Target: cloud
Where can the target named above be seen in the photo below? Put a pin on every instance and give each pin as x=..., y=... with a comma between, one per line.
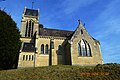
x=73, y=5
x=108, y=31
x=110, y=52
x=109, y=19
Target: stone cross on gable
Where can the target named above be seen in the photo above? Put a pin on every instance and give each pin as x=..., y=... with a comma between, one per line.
x=79, y=21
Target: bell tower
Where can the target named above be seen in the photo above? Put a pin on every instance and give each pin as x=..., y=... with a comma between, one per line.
x=29, y=23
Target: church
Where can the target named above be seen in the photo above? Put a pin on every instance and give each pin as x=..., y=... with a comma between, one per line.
x=45, y=47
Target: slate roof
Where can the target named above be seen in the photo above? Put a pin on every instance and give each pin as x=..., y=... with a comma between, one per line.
x=31, y=12
x=28, y=47
x=54, y=32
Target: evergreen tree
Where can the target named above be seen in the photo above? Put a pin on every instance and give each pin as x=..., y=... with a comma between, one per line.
x=9, y=41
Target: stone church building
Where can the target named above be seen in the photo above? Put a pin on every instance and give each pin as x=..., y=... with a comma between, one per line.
x=44, y=46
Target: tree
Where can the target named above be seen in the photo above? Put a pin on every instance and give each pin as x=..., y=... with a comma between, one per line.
x=9, y=41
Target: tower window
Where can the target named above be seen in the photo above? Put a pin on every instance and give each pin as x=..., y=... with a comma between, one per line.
x=32, y=29
x=26, y=32
x=29, y=30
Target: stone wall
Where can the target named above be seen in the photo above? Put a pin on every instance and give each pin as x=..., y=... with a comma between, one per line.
x=26, y=59
x=43, y=59
x=96, y=57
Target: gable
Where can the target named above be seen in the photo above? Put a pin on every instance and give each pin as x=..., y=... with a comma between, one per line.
x=82, y=32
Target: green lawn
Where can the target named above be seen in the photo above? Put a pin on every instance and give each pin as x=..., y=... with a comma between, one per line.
x=64, y=72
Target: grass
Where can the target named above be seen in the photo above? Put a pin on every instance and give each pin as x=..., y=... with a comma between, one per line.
x=64, y=72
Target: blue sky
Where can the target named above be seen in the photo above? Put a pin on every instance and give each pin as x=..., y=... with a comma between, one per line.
x=101, y=18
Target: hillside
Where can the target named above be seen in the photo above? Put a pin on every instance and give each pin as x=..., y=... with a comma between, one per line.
x=64, y=72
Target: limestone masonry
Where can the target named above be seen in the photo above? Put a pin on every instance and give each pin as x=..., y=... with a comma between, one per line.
x=44, y=46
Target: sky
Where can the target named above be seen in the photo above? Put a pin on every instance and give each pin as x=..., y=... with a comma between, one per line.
x=101, y=18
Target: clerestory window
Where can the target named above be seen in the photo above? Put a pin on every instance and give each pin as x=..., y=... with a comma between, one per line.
x=42, y=49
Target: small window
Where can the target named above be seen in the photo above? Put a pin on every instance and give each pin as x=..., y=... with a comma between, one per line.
x=81, y=31
x=32, y=57
x=23, y=57
x=26, y=57
x=29, y=57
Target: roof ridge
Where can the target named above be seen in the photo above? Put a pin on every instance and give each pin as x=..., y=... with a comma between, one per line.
x=57, y=29
x=54, y=32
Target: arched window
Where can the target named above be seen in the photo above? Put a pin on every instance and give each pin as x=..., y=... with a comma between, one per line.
x=88, y=50
x=42, y=49
x=32, y=29
x=29, y=30
x=84, y=48
x=79, y=50
x=46, y=49
x=26, y=32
